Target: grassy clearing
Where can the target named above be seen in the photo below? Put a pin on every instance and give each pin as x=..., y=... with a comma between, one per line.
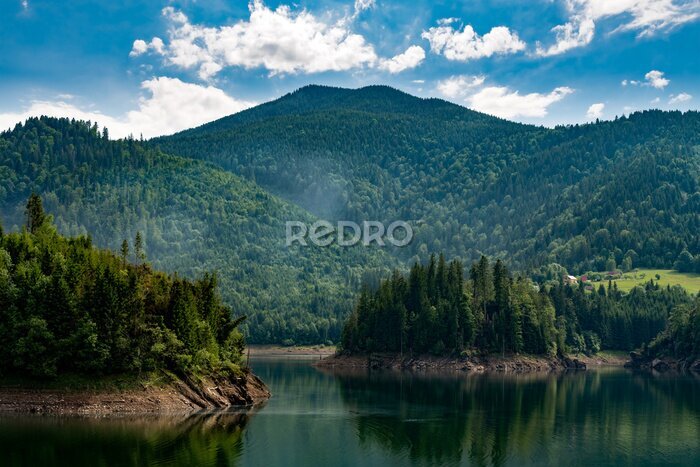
x=689, y=281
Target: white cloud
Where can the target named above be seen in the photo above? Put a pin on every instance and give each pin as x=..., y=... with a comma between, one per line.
x=678, y=98
x=140, y=46
x=280, y=40
x=467, y=45
x=502, y=102
x=362, y=5
x=569, y=36
x=25, y=4
x=411, y=58
x=655, y=78
x=459, y=85
x=655, y=100
x=171, y=105
x=595, y=111
x=645, y=16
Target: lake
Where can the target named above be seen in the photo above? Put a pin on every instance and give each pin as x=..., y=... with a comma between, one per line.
x=318, y=418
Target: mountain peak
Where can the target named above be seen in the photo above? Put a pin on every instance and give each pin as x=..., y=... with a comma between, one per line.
x=377, y=99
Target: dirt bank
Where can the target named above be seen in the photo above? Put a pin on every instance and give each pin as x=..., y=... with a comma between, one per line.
x=280, y=351
x=507, y=363
x=177, y=395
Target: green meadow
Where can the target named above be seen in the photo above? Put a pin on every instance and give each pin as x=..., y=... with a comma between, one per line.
x=689, y=281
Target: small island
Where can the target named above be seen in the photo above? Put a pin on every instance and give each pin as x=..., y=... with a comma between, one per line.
x=436, y=319
x=85, y=330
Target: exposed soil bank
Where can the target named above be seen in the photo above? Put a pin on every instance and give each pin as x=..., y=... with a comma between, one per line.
x=281, y=351
x=638, y=361
x=492, y=363
x=180, y=395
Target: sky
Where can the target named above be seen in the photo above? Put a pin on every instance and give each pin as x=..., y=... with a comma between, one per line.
x=156, y=67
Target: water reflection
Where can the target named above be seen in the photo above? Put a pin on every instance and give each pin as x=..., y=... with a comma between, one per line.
x=199, y=439
x=389, y=418
x=588, y=417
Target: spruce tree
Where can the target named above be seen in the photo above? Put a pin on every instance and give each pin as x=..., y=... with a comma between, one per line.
x=34, y=213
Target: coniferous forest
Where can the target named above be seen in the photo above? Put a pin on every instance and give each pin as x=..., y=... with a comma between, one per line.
x=434, y=310
x=68, y=307
x=621, y=194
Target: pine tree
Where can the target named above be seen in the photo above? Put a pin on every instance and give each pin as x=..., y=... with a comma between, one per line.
x=138, y=248
x=124, y=250
x=34, y=213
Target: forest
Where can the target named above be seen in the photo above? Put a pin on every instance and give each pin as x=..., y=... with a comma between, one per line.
x=623, y=191
x=68, y=307
x=618, y=194
x=436, y=310
x=193, y=217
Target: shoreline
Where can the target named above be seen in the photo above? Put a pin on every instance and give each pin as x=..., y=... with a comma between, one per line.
x=272, y=350
x=177, y=396
x=473, y=364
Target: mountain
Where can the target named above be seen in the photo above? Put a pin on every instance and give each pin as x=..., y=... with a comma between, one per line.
x=586, y=196
x=194, y=218
x=590, y=197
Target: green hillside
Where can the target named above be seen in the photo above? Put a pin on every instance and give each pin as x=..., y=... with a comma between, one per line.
x=577, y=195
x=194, y=218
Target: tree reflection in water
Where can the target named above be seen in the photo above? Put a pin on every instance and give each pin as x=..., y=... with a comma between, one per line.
x=496, y=419
x=196, y=439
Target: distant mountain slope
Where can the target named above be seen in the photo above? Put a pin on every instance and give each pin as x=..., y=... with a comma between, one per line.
x=195, y=218
x=581, y=195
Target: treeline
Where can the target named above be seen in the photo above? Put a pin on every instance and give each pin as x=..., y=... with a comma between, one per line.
x=435, y=310
x=681, y=338
x=686, y=262
x=66, y=306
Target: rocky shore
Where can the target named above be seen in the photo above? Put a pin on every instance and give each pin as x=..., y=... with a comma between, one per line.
x=479, y=364
x=177, y=395
x=638, y=361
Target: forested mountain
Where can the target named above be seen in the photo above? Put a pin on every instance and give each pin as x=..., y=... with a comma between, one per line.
x=578, y=195
x=193, y=218
x=589, y=197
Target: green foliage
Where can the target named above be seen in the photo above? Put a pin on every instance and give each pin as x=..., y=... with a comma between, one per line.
x=190, y=217
x=434, y=311
x=583, y=196
x=681, y=338
x=611, y=319
x=66, y=306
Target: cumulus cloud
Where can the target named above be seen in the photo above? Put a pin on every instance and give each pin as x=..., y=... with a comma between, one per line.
x=140, y=46
x=466, y=44
x=170, y=105
x=459, y=85
x=411, y=58
x=654, y=78
x=595, y=111
x=647, y=17
x=679, y=98
x=505, y=103
x=280, y=40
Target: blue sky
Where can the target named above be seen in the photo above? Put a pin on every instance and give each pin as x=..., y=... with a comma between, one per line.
x=155, y=67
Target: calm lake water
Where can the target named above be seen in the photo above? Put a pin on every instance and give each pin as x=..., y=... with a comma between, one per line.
x=319, y=418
